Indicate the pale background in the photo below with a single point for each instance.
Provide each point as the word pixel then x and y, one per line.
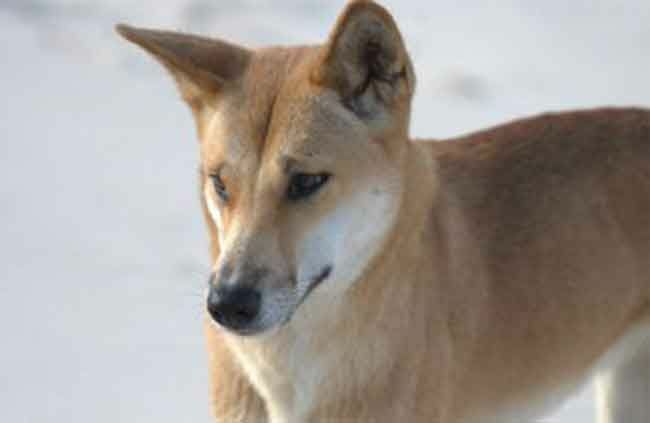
pixel 103 253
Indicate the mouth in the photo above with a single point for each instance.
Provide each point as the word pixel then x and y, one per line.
pixel 317 280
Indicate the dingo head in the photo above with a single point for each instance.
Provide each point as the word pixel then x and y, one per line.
pixel 301 158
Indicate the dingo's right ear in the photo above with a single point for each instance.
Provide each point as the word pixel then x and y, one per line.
pixel 203 67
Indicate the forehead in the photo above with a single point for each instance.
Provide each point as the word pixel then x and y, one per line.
pixel 277 111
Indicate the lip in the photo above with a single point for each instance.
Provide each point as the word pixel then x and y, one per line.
pixel 324 274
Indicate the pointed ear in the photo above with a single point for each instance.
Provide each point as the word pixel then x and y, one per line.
pixel 365 60
pixel 202 67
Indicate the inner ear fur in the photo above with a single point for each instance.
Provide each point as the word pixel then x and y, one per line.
pixel 365 59
pixel 202 67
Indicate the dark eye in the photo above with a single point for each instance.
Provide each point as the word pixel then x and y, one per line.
pixel 305 184
pixel 220 187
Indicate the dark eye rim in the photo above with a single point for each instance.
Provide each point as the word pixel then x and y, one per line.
pixel 220 187
pixel 303 185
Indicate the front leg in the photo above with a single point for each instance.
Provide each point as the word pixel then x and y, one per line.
pixel 232 398
pixel 624 390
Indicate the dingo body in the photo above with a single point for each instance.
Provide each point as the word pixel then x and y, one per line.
pixel 360 276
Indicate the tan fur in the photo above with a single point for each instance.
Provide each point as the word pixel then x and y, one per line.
pixel 507 265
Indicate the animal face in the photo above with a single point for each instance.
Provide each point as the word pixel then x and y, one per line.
pixel 300 159
pixel 302 206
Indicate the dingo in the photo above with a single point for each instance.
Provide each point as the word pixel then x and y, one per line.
pixel 359 276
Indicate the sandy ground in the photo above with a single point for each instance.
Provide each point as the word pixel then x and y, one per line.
pixel 103 252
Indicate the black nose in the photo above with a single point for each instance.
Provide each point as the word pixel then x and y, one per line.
pixel 234 307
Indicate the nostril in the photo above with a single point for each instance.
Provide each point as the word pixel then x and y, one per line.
pixel 234 308
pixel 243 314
pixel 247 301
pixel 213 304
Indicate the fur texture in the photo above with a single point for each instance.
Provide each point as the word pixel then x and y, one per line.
pixel 469 280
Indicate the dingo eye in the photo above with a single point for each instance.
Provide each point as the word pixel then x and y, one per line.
pixel 305 184
pixel 220 187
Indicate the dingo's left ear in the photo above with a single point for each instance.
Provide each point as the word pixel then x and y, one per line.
pixel 203 67
pixel 365 60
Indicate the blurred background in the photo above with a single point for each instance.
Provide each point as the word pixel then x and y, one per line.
pixel 103 253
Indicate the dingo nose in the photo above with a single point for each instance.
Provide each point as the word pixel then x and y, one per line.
pixel 234 307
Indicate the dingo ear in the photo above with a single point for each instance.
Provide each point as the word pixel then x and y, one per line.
pixel 365 60
pixel 202 67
